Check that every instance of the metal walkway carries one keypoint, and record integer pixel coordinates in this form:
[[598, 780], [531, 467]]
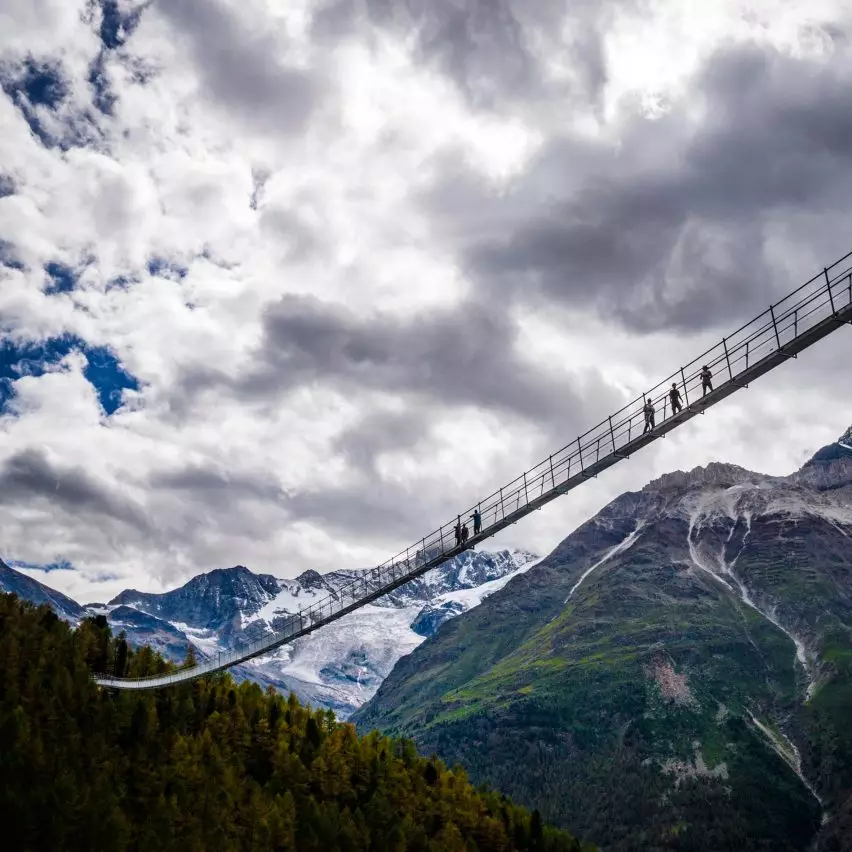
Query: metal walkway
[[805, 316]]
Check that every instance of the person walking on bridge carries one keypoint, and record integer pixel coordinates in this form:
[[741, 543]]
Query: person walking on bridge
[[706, 376], [458, 531], [649, 416], [477, 522], [464, 533], [674, 396]]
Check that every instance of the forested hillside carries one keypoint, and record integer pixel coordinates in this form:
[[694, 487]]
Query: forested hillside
[[211, 765]]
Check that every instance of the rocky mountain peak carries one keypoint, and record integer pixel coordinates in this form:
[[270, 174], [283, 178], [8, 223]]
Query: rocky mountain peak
[[830, 467], [310, 579], [715, 474]]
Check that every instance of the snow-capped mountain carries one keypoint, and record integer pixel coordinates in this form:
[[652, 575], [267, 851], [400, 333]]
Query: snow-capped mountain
[[339, 666]]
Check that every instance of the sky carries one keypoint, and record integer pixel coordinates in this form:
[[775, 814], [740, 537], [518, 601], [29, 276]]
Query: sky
[[288, 284]]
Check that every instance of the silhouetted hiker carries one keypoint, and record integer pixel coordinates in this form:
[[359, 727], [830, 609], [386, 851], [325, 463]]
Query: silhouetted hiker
[[674, 396], [464, 532], [649, 416], [477, 522], [706, 384], [458, 532]]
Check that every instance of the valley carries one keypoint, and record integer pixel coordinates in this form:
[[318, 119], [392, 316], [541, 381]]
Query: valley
[[675, 674], [339, 667]]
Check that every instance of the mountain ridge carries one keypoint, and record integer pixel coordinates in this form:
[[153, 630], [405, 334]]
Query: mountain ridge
[[337, 667], [704, 618]]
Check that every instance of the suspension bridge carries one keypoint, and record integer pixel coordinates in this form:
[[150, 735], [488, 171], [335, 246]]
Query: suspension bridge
[[808, 314]]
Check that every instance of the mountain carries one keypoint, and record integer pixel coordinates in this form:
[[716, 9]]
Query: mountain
[[676, 674], [218, 766], [17, 583], [337, 667]]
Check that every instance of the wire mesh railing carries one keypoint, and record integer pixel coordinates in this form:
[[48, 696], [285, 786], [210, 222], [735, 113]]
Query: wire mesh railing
[[817, 301]]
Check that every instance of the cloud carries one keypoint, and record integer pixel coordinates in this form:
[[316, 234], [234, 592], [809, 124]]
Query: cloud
[[103, 370], [290, 285], [31, 477], [463, 355], [502, 51], [243, 64], [220, 487], [677, 226]]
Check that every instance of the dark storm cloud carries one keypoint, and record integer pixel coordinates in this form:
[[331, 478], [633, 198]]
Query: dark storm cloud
[[368, 508], [456, 356], [30, 476], [673, 229], [493, 50], [241, 68], [383, 432], [217, 487]]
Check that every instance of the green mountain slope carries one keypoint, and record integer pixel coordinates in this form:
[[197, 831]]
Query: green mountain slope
[[212, 765], [647, 682]]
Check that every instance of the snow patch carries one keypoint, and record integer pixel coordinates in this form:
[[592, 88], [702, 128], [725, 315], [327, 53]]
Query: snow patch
[[719, 568], [205, 640], [786, 749], [613, 551], [288, 601]]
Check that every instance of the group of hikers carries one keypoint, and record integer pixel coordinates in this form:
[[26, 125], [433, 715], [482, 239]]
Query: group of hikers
[[461, 530], [675, 398], [462, 533]]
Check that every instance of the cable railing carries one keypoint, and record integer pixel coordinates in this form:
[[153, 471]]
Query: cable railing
[[806, 315]]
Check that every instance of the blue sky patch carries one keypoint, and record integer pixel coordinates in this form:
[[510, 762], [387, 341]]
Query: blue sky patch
[[159, 267], [116, 27], [62, 278], [108, 377], [121, 282], [103, 96], [62, 565], [104, 371], [30, 85], [41, 83]]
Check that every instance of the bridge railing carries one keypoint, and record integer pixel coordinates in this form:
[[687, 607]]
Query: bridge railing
[[778, 326]]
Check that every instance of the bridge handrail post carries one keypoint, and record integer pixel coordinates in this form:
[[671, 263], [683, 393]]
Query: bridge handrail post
[[683, 382], [727, 357], [580, 451], [775, 326], [552, 475], [830, 294], [526, 493]]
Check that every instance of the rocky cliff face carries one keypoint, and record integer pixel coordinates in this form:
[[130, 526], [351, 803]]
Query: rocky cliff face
[[684, 654]]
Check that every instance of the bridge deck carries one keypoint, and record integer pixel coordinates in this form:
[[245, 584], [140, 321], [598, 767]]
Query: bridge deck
[[805, 316]]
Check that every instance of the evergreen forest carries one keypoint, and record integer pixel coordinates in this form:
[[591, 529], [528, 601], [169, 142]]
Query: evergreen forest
[[212, 764]]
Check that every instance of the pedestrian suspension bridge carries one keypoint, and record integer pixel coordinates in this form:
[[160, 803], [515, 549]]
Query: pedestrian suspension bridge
[[786, 328]]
